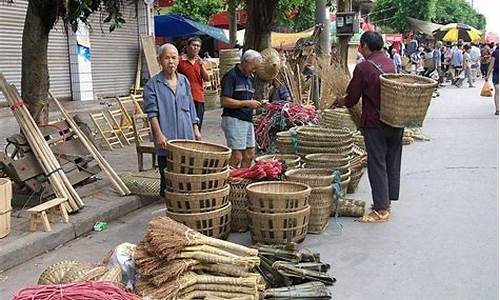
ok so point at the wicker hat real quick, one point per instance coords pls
(271, 64)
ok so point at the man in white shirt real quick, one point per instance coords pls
(475, 56)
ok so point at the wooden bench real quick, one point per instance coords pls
(45, 213)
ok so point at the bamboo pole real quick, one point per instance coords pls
(115, 179)
(50, 166)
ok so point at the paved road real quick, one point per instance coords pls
(442, 241)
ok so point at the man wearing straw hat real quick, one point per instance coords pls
(383, 142)
(170, 108)
(237, 90)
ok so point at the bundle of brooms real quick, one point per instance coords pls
(334, 81)
(176, 262)
(285, 266)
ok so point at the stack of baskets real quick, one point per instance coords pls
(291, 161)
(278, 211)
(284, 142)
(357, 164)
(338, 118)
(313, 139)
(322, 195)
(227, 59)
(212, 100)
(358, 139)
(331, 162)
(197, 194)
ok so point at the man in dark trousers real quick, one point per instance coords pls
(383, 142)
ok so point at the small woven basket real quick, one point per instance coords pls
(277, 196)
(196, 202)
(187, 183)
(311, 177)
(195, 157)
(279, 228)
(321, 202)
(405, 99)
(238, 198)
(216, 223)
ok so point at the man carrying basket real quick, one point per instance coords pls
(383, 142)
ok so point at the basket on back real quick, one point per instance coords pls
(278, 211)
(195, 157)
(404, 99)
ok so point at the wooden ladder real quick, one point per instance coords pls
(46, 213)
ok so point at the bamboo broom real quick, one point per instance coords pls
(223, 269)
(217, 295)
(49, 164)
(248, 261)
(220, 288)
(168, 237)
(115, 179)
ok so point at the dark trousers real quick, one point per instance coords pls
(200, 111)
(484, 69)
(384, 146)
(162, 165)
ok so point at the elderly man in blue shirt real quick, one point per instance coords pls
(170, 108)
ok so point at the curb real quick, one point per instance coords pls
(97, 209)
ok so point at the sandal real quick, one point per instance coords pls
(376, 217)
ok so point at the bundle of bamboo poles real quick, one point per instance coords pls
(105, 166)
(48, 162)
(176, 262)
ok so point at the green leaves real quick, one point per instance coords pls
(198, 10)
(80, 10)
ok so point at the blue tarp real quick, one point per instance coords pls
(173, 25)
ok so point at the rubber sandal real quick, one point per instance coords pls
(375, 217)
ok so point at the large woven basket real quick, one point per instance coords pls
(194, 183)
(343, 150)
(279, 228)
(238, 198)
(196, 202)
(321, 202)
(355, 179)
(277, 196)
(311, 177)
(404, 99)
(216, 223)
(195, 157)
(322, 133)
(324, 143)
(227, 59)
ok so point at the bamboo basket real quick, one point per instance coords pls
(289, 159)
(326, 160)
(197, 202)
(145, 184)
(277, 196)
(228, 58)
(355, 179)
(195, 157)
(405, 99)
(187, 183)
(342, 150)
(312, 177)
(279, 228)
(5, 206)
(322, 133)
(284, 147)
(324, 143)
(238, 198)
(212, 100)
(216, 223)
(321, 201)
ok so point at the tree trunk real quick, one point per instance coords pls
(261, 16)
(343, 46)
(233, 24)
(40, 18)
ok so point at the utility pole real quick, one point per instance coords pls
(343, 47)
(233, 24)
(323, 18)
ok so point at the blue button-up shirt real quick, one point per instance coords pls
(175, 111)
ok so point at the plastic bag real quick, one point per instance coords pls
(487, 90)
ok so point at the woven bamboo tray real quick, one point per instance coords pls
(146, 184)
(405, 99)
(311, 177)
(321, 202)
(289, 159)
(285, 147)
(238, 198)
(324, 143)
(216, 223)
(322, 133)
(195, 157)
(196, 202)
(343, 150)
(186, 183)
(355, 179)
(279, 228)
(277, 196)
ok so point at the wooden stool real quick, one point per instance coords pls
(45, 213)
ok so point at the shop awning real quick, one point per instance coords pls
(173, 25)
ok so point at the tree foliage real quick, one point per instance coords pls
(198, 10)
(296, 14)
(393, 13)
